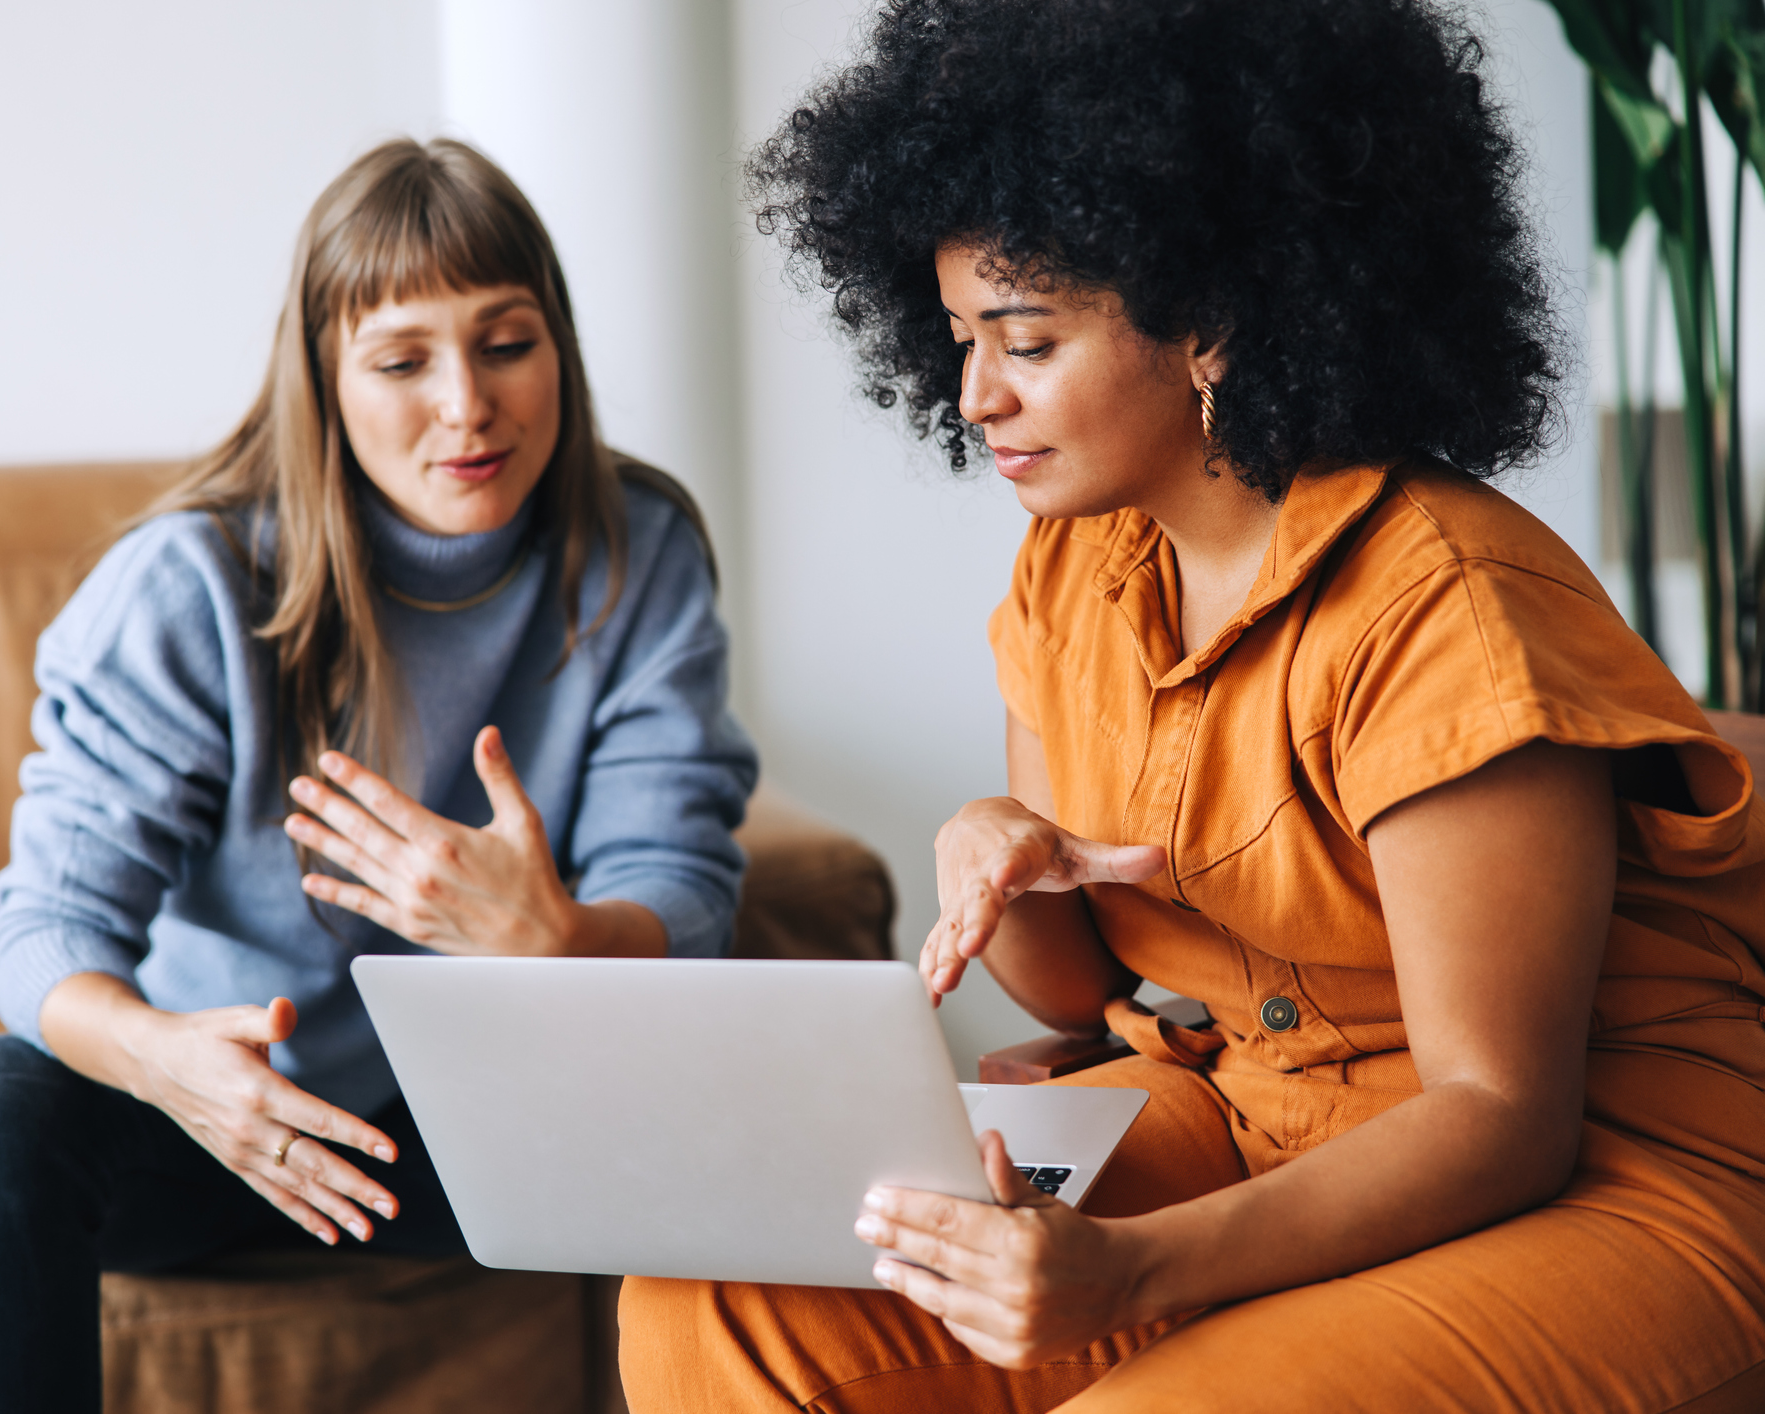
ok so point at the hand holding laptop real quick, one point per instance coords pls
(1020, 1283)
(691, 1117)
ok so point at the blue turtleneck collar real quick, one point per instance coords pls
(438, 567)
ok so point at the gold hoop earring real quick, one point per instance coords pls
(1207, 415)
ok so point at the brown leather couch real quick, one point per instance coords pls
(357, 1333)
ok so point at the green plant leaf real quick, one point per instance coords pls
(1735, 83)
(1666, 193)
(1620, 188)
(1606, 34)
(1645, 124)
(1728, 85)
(1713, 21)
(1708, 23)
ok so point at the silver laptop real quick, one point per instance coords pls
(689, 1118)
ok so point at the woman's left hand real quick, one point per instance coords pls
(492, 891)
(1028, 1281)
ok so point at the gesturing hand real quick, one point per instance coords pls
(210, 1071)
(441, 884)
(991, 851)
(1026, 1282)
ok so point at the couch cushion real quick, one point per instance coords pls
(288, 1333)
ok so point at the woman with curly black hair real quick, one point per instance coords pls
(1304, 721)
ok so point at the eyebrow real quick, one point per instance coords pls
(1004, 311)
(489, 313)
(503, 306)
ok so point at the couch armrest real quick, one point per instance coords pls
(811, 891)
(1048, 1056)
(55, 521)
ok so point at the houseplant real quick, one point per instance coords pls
(1654, 63)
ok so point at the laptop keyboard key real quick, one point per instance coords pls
(1051, 1175)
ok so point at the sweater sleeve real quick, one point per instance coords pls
(132, 773)
(669, 770)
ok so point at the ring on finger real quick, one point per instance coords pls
(283, 1148)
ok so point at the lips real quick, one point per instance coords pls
(1014, 462)
(481, 467)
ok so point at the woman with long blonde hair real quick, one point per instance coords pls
(416, 598)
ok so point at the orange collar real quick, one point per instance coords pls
(1319, 508)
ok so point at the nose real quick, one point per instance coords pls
(986, 392)
(464, 403)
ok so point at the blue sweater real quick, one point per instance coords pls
(149, 844)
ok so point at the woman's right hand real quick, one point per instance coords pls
(991, 851)
(210, 1071)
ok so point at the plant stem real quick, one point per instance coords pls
(1636, 500)
(1646, 432)
(1691, 271)
(1745, 639)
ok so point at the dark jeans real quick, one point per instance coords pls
(93, 1180)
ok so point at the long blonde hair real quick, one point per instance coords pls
(404, 220)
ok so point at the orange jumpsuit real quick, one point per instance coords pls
(1408, 625)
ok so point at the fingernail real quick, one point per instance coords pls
(884, 1272)
(384, 1153)
(874, 1200)
(384, 1209)
(357, 1230)
(868, 1227)
(326, 1236)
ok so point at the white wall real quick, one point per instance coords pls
(1546, 90)
(156, 162)
(158, 159)
(615, 120)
